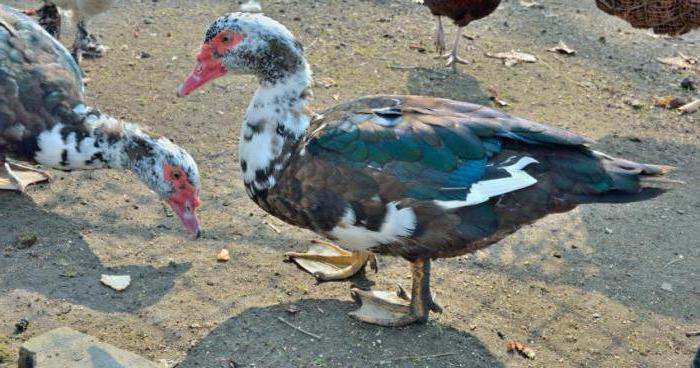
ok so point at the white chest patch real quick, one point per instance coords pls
(482, 191)
(397, 223)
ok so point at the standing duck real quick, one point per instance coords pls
(416, 177)
(85, 43)
(44, 119)
(462, 12)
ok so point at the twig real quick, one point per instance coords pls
(421, 357)
(403, 67)
(680, 258)
(692, 333)
(273, 227)
(317, 337)
(560, 74)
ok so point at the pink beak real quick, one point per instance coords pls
(188, 217)
(206, 69)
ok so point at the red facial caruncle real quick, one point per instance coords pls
(185, 198)
(208, 65)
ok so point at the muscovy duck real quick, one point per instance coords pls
(85, 43)
(44, 119)
(671, 17)
(410, 176)
(462, 12)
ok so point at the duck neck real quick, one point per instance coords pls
(100, 141)
(274, 124)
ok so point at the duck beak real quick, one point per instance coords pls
(206, 69)
(188, 217)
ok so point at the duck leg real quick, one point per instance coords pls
(398, 309)
(452, 57)
(86, 44)
(439, 38)
(17, 177)
(328, 262)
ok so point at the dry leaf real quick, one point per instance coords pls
(493, 96)
(669, 102)
(223, 256)
(531, 4)
(562, 48)
(690, 108)
(681, 61)
(514, 346)
(513, 57)
(325, 82)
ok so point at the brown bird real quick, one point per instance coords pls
(462, 12)
(671, 17)
(411, 176)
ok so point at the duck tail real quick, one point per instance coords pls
(629, 181)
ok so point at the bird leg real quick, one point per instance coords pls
(86, 44)
(328, 262)
(16, 177)
(439, 38)
(452, 57)
(398, 309)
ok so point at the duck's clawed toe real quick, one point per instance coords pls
(328, 262)
(16, 177)
(384, 308)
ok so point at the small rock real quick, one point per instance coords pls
(292, 309)
(634, 103)
(665, 286)
(608, 231)
(144, 55)
(223, 256)
(688, 84)
(116, 282)
(596, 315)
(21, 325)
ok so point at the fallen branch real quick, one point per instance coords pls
(273, 227)
(317, 337)
(419, 357)
(680, 258)
(692, 333)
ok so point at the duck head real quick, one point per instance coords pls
(245, 43)
(170, 171)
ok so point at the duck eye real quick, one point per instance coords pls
(176, 175)
(225, 38)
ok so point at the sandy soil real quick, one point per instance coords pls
(595, 287)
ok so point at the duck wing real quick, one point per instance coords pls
(40, 83)
(427, 177)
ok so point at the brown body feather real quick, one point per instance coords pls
(462, 12)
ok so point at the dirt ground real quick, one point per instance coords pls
(601, 286)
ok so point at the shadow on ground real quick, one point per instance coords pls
(258, 338)
(446, 84)
(61, 264)
(628, 252)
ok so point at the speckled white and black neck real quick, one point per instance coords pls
(274, 124)
(101, 141)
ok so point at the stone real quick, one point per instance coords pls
(116, 282)
(67, 348)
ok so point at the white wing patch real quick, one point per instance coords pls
(397, 223)
(482, 191)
